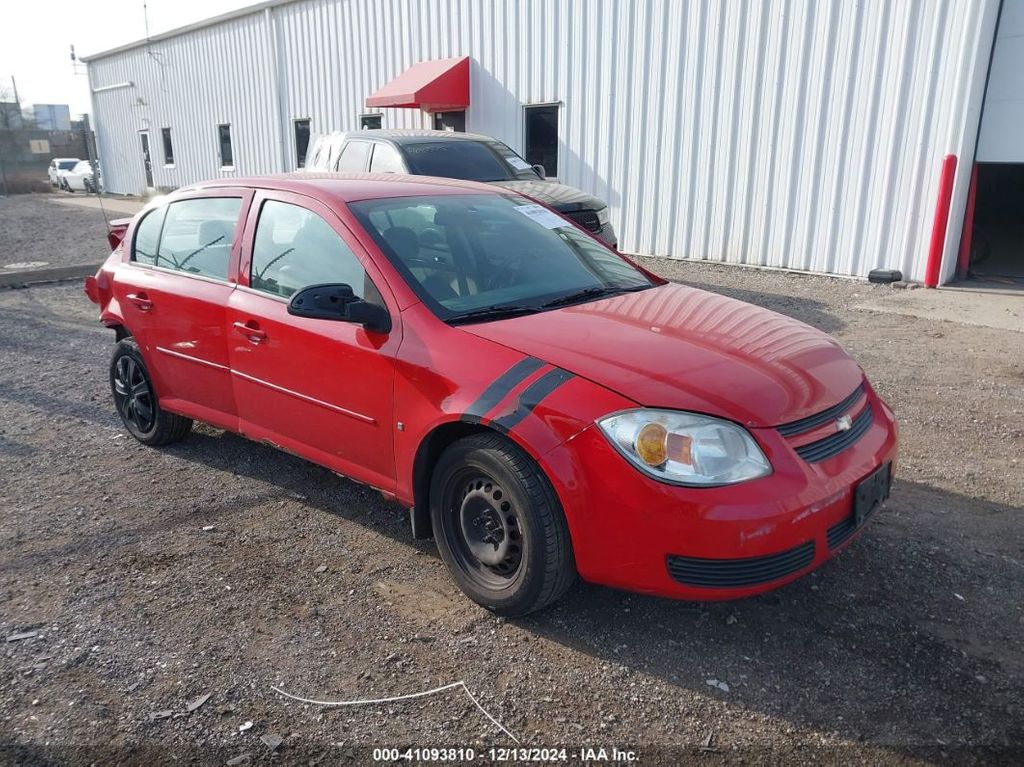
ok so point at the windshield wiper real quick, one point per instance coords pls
(587, 294)
(491, 313)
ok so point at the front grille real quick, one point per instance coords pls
(811, 421)
(838, 442)
(585, 218)
(727, 573)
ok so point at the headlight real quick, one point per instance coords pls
(603, 216)
(685, 448)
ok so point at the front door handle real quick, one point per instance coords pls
(251, 331)
(140, 300)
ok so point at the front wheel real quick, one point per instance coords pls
(136, 401)
(499, 526)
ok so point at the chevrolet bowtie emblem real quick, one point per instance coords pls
(844, 423)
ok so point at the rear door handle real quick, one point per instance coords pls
(251, 331)
(140, 300)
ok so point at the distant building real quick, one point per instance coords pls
(52, 116)
(815, 136)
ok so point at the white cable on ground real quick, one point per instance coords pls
(397, 698)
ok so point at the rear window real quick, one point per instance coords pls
(67, 164)
(468, 160)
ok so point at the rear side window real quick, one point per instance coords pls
(353, 157)
(197, 236)
(147, 237)
(295, 248)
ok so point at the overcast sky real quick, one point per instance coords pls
(36, 36)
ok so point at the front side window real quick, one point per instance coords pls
(227, 155)
(385, 160)
(168, 147)
(197, 236)
(301, 142)
(475, 256)
(353, 157)
(295, 247)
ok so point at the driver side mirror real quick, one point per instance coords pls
(336, 301)
(539, 170)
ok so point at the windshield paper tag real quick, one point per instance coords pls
(518, 164)
(542, 216)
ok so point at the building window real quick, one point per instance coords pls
(542, 137)
(450, 121)
(370, 122)
(168, 147)
(301, 142)
(227, 157)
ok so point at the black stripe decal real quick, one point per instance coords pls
(505, 383)
(533, 395)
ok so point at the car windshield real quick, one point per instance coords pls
(477, 257)
(466, 159)
(67, 164)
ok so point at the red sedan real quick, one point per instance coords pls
(544, 407)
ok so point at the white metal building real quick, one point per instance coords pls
(803, 134)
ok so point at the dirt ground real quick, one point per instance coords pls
(43, 230)
(146, 579)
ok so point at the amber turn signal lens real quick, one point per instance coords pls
(650, 444)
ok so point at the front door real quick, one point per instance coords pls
(450, 121)
(146, 159)
(319, 388)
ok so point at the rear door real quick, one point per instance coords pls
(174, 290)
(320, 388)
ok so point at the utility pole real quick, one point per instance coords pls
(3, 139)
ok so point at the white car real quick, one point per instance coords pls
(79, 179)
(59, 165)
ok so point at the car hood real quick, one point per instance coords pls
(557, 196)
(682, 348)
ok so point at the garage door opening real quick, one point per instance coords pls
(997, 241)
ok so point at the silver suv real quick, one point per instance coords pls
(465, 156)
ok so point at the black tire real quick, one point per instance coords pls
(136, 401)
(499, 526)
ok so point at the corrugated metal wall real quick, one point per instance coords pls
(804, 134)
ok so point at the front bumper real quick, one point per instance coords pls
(608, 236)
(632, 532)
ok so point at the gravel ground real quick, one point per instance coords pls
(148, 579)
(36, 230)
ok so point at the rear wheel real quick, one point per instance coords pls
(136, 401)
(499, 526)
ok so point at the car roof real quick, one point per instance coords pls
(408, 136)
(350, 187)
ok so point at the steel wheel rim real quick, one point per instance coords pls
(133, 395)
(486, 537)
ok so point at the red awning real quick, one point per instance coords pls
(436, 86)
